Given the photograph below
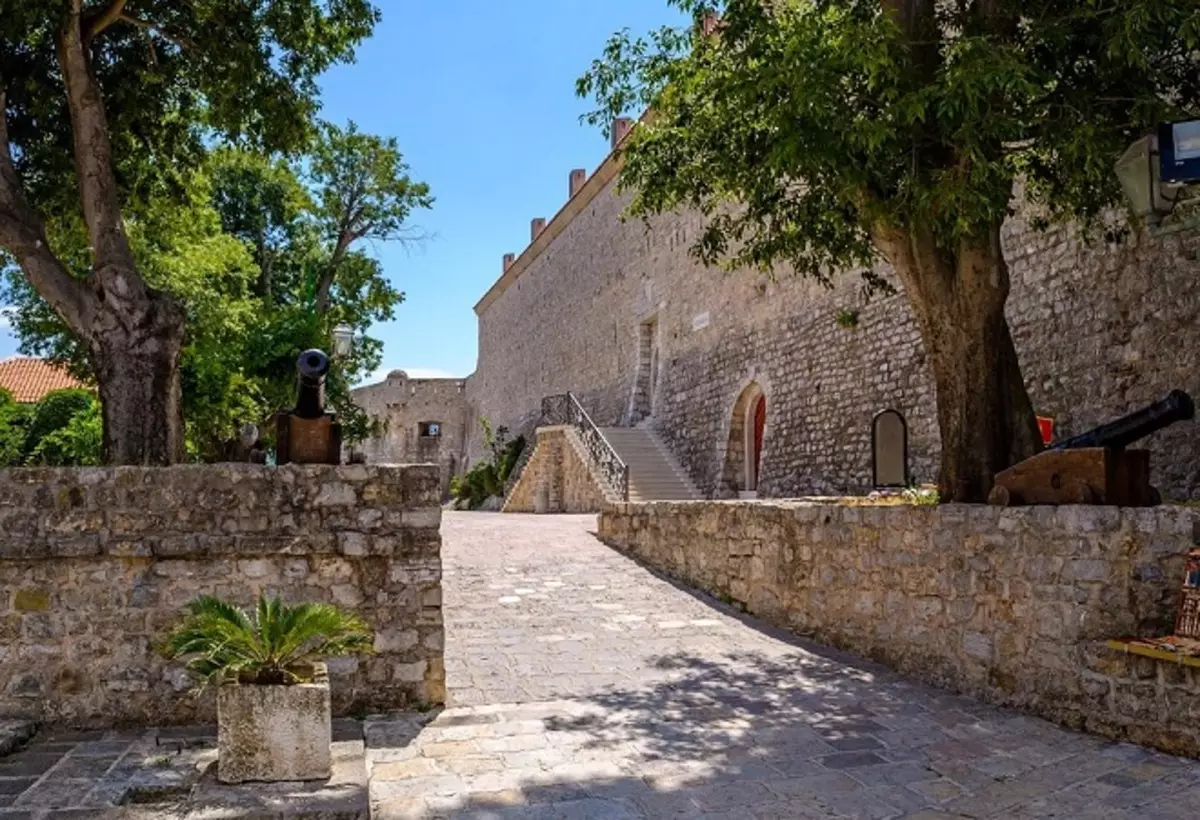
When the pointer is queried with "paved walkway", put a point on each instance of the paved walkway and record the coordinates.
(582, 685)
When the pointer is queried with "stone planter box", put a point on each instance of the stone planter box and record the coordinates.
(274, 733)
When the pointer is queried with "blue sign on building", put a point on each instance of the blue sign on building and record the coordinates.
(1179, 151)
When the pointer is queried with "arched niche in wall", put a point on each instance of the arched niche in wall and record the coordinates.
(889, 449)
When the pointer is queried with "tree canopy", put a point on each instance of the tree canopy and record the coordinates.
(108, 110)
(242, 252)
(828, 135)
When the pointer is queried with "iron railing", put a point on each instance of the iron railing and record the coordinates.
(566, 409)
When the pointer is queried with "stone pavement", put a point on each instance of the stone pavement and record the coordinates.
(167, 774)
(583, 685)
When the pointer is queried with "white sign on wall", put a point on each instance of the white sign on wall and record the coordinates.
(701, 321)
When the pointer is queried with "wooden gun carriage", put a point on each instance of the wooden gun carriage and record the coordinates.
(1095, 467)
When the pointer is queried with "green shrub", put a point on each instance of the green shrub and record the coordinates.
(79, 443)
(14, 427)
(922, 496)
(54, 412)
(274, 645)
(487, 478)
(509, 457)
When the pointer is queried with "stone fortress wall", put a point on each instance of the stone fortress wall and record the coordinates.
(409, 407)
(618, 313)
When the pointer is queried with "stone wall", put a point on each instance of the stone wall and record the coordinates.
(407, 407)
(96, 565)
(558, 477)
(594, 301)
(1012, 605)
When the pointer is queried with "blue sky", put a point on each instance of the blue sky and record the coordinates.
(481, 96)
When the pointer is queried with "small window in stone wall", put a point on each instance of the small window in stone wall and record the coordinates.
(430, 429)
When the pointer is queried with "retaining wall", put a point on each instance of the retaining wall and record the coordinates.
(96, 565)
(1012, 605)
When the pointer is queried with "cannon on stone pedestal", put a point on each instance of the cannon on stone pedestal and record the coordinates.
(308, 434)
(1095, 467)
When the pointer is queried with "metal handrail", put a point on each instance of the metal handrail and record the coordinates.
(566, 409)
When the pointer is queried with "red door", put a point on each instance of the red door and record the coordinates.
(760, 421)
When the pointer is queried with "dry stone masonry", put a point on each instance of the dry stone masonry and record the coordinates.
(1012, 605)
(96, 565)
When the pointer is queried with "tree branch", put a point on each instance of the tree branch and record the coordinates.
(98, 190)
(325, 283)
(23, 234)
(104, 19)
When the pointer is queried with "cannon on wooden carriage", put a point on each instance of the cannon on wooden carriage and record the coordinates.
(1095, 467)
(308, 433)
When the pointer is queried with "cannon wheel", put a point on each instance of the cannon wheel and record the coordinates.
(1001, 496)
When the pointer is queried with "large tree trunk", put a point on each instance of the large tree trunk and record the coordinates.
(137, 367)
(135, 333)
(985, 418)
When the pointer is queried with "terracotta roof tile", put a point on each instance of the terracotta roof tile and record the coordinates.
(29, 379)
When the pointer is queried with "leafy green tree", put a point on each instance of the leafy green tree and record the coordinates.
(362, 189)
(182, 251)
(240, 248)
(262, 202)
(318, 279)
(53, 413)
(827, 135)
(14, 422)
(108, 105)
(78, 443)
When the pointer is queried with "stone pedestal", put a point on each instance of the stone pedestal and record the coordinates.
(274, 733)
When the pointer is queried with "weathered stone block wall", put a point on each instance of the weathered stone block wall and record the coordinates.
(558, 478)
(96, 565)
(1012, 605)
(404, 404)
(1100, 329)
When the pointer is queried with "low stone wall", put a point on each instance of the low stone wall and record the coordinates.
(1012, 605)
(96, 565)
(558, 477)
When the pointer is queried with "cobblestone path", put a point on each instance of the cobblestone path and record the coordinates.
(582, 685)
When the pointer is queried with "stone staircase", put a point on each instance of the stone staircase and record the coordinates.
(653, 473)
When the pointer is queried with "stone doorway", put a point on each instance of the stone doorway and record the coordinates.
(646, 385)
(743, 455)
(755, 425)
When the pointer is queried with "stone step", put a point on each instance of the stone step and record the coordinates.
(652, 474)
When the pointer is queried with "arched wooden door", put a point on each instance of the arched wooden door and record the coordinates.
(760, 423)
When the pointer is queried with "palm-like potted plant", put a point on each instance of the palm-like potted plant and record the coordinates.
(273, 706)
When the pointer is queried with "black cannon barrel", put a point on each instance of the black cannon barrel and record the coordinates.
(1177, 406)
(312, 367)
